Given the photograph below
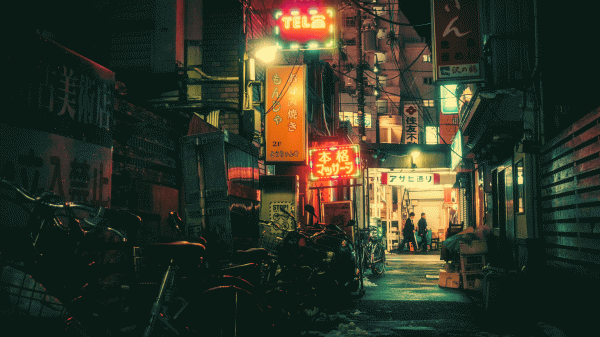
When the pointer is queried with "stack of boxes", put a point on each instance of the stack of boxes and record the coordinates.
(468, 274)
(450, 276)
(472, 262)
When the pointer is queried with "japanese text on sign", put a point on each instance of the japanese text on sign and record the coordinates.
(335, 162)
(411, 124)
(414, 179)
(457, 45)
(285, 127)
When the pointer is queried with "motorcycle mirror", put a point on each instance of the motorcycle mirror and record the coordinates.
(351, 223)
(286, 212)
(309, 209)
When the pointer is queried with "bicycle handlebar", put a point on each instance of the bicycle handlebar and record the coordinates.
(97, 213)
(98, 210)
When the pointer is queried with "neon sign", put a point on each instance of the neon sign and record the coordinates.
(334, 162)
(305, 28)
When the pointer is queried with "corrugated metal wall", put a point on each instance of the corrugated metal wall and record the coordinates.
(570, 195)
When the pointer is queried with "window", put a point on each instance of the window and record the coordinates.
(350, 21)
(426, 58)
(350, 42)
(427, 80)
(431, 134)
(428, 103)
(449, 100)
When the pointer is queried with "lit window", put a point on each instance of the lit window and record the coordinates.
(426, 58)
(428, 103)
(431, 134)
(449, 100)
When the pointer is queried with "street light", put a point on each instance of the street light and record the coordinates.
(413, 157)
(267, 53)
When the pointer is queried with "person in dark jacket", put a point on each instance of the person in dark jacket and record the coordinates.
(408, 232)
(422, 230)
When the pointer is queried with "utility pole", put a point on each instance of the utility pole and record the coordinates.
(359, 78)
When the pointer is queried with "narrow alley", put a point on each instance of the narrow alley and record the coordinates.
(408, 301)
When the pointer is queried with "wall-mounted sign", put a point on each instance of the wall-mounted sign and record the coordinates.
(456, 150)
(457, 40)
(411, 124)
(416, 179)
(60, 92)
(334, 162)
(285, 118)
(39, 161)
(305, 27)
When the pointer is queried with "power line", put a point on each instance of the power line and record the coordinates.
(387, 20)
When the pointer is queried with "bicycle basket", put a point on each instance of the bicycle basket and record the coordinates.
(271, 237)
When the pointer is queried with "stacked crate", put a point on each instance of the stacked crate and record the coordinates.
(472, 262)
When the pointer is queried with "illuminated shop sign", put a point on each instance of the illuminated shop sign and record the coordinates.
(456, 40)
(334, 162)
(305, 28)
(285, 120)
(456, 150)
(410, 179)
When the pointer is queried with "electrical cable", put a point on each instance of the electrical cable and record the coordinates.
(387, 20)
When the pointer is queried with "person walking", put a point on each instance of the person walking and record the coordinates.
(422, 230)
(408, 232)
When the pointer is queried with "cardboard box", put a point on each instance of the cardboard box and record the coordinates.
(451, 267)
(471, 281)
(472, 263)
(449, 280)
(475, 247)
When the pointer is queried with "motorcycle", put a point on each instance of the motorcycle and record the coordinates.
(344, 264)
(320, 262)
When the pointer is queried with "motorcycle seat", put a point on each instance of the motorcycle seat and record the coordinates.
(251, 255)
(177, 249)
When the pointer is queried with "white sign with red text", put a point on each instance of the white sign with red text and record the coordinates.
(410, 179)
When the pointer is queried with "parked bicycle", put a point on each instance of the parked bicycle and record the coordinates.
(55, 250)
(372, 252)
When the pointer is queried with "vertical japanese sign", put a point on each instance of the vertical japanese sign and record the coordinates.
(334, 162)
(411, 124)
(457, 41)
(285, 118)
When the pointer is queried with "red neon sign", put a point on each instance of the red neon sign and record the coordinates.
(334, 162)
(305, 28)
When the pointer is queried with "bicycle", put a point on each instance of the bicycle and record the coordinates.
(195, 303)
(372, 252)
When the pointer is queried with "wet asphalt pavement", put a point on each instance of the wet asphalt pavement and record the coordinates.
(407, 301)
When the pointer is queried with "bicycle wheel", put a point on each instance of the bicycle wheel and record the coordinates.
(378, 260)
(225, 310)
